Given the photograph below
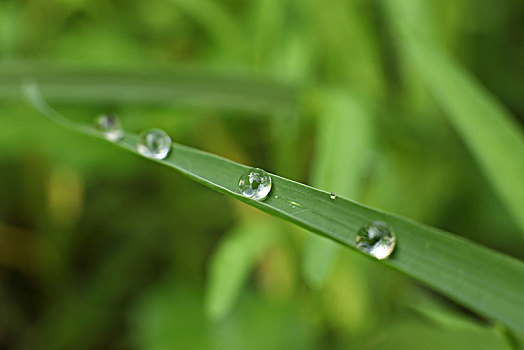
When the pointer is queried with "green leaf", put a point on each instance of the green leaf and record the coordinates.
(232, 262)
(488, 129)
(181, 88)
(343, 142)
(411, 334)
(217, 21)
(484, 280)
(60, 327)
(170, 316)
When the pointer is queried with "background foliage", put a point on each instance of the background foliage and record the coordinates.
(376, 101)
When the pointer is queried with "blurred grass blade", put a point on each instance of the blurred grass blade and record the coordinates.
(126, 271)
(412, 334)
(486, 281)
(343, 141)
(180, 88)
(488, 129)
(219, 23)
(232, 262)
(344, 30)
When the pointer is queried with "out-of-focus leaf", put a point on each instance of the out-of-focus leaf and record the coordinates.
(345, 38)
(178, 88)
(170, 316)
(344, 139)
(232, 262)
(93, 309)
(217, 21)
(488, 129)
(410, 334)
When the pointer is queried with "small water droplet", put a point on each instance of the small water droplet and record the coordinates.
(255, 184)
(110, 126)
(333, 195)
(154, 143)
(376, 239)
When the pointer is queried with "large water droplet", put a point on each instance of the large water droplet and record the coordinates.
(376, 239)
(333, 195)
(154, 143)
(255, 184)
(110, 127)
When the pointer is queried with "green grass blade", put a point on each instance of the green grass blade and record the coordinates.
(412, 334)
(487, 128)
(185, 89)
(481, 279)
(344, 138)
(217, 22)
(231, 264)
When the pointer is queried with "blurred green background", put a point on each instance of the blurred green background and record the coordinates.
(100, 249)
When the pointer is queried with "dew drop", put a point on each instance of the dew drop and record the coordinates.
(255, 184)
(109, 125)
(154, 143)
(333, 195)
(376, 239)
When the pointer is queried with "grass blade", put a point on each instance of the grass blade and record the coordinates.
(487, 128)
(481, 279)
(344, 137)
(217, 22)
(231, 264)
(180, 88)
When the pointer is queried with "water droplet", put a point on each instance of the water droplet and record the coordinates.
(333, 195)
(110, 126)
(376, 239)
(255, 184)
(154, 143)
